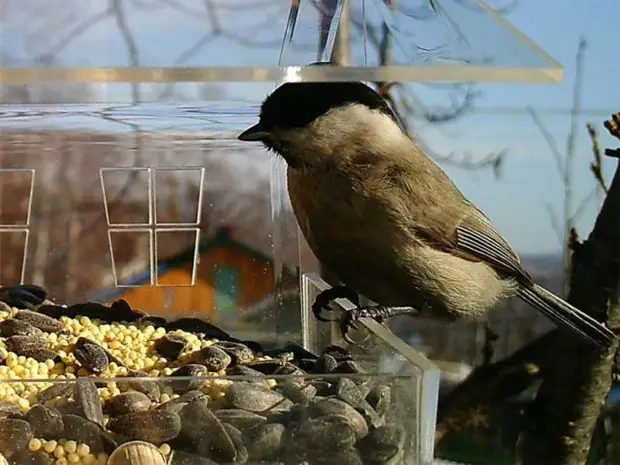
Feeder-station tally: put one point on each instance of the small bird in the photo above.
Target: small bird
(386, 220)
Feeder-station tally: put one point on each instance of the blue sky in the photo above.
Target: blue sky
(516, 203)
(530, 180)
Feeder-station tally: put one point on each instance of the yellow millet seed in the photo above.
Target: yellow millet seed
(165, 449)
(35, 444)
(61, 461)
(11, 360)
(83, 450)
(113, 367)
(50, 446)
(70, 446)
(59, 451)
(24, 405)
(73, 457)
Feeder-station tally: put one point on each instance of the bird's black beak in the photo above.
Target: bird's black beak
(255, 133)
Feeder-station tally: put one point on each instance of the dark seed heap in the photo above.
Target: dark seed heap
(169, 389)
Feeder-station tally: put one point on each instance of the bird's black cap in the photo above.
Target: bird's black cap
(295, 105)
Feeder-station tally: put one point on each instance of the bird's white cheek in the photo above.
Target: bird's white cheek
(386, 129)
(359, 122)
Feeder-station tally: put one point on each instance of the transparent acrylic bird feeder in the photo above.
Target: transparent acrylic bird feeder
(125, 195)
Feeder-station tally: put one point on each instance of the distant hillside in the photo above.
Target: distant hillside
(547, 267)
(549, 262)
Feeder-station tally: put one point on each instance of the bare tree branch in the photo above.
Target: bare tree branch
(567, 407)
(596, 167)
(132, 48)
(75, 33)
(585, 202)
(551, 142)
(415, 106)
(575, 378)
(405, 102)
(555, 222)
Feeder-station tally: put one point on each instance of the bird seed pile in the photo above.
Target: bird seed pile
(77, 382)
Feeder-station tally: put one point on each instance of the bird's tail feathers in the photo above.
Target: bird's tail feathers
(565, 315)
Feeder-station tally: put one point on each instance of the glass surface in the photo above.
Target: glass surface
(78, 383)
(147, 204)
(377, 348)
(94, 420)
(120, 178)
(99, 206)
(263, 40)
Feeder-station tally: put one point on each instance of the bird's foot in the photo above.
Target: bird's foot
(379, 313)
(326, 297)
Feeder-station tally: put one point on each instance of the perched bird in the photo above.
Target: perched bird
(386, 220)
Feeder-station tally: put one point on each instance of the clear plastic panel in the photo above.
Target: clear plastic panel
(216, 419)
(79, 384)
(158, 205)
(378, 350)
(262, 40)
(118, 155)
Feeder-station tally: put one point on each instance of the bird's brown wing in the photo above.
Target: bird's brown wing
(448, 221)
(472, 236)
(476, 236)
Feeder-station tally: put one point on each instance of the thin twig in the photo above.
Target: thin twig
(551, 142)
(132, 48)
(76, 32)
(596, 167)
(555, 222)
(584, 204)
(567, 178)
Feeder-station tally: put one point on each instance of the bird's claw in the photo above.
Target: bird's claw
(322, 301)
(379, 313)
(351, 318)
